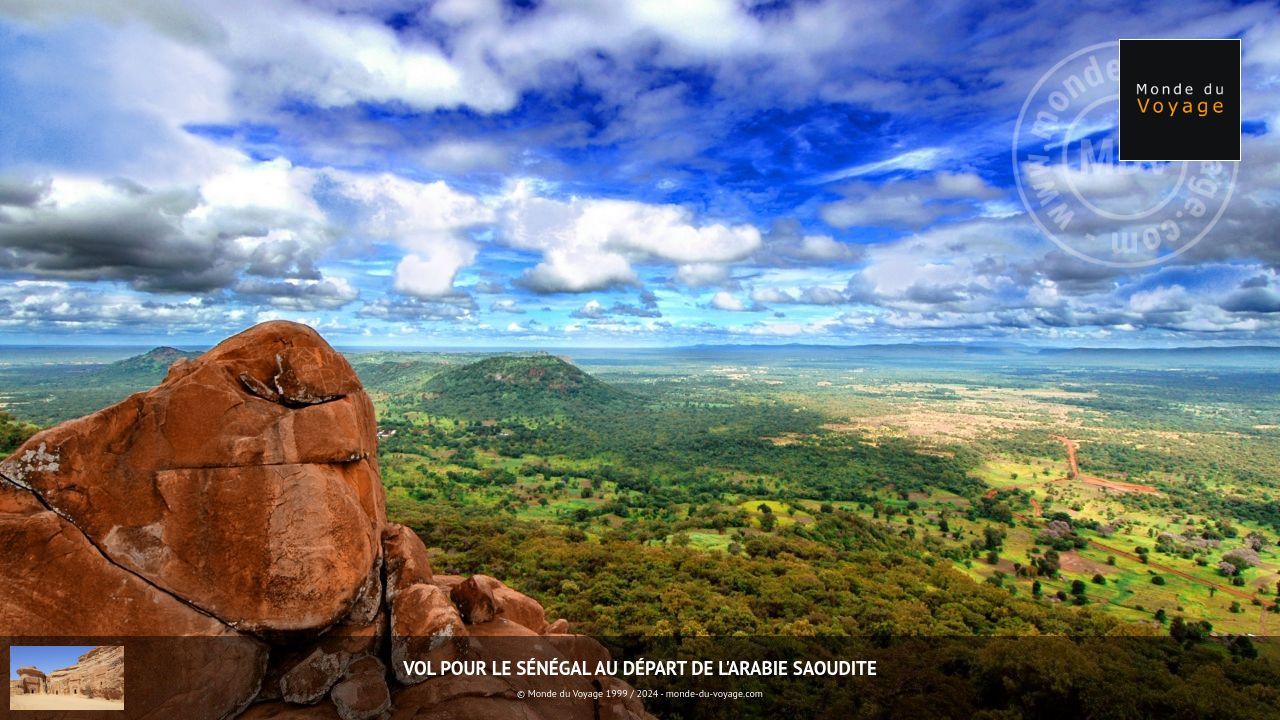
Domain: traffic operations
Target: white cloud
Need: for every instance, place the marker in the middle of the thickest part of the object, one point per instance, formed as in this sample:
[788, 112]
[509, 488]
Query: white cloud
[589, 244]
[909, 203]
[919, 159]
[505, 305]
[771, 296]
[251, 217]
[1173, 298]
[431, 274]
[464, 156]
[696, 275]
[564, 270]
[727, 301]
[427, 219]
[591, 309]
[37, 305]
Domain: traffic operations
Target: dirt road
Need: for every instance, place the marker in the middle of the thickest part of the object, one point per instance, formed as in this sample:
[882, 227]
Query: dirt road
[1097, 481]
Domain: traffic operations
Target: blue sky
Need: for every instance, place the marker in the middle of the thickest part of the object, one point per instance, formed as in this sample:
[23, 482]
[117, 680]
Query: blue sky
[46, 658]
[589, 173]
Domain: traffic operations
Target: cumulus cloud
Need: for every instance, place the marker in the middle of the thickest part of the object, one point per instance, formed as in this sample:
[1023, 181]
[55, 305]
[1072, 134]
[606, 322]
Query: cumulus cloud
[724, 300]
[787, 245]
[772, 296]
[909, 203]
[589, 244]
[463, 156]
[412, 309]
[431, 274]
[595, 310]
[697, 275]
[299, 294]
[430, 220]
[54, 306]
[506, 305]
[254, 218]
[812, 295]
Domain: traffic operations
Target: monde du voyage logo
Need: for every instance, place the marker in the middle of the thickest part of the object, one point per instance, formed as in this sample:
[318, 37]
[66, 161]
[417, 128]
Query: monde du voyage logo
[1126, 153]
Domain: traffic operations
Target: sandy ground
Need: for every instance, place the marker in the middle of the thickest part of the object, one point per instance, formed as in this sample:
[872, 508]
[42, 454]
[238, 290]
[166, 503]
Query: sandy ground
[62, 702]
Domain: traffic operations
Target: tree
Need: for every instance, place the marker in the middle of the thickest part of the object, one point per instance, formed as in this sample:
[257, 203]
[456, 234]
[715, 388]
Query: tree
[1098, 579]
[1241, 646]
[768, 521]
[1157, 580]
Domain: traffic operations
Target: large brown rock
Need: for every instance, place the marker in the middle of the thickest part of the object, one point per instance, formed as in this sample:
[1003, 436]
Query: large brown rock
[309, 679]
[424, 626]
[363, 693]
[481, 598]
[407, 560]
[245, 484]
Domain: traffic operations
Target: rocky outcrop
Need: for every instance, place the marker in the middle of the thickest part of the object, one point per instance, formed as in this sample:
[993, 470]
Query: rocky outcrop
[31, 681]
[237, 509]
[245, 485]
[98, 673]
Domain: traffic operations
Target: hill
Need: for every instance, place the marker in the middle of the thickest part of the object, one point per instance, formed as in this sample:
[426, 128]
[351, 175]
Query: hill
[141, 371]
[519, 385]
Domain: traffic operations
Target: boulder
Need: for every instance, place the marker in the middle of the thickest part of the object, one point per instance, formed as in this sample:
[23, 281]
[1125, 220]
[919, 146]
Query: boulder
[481, 598]
[309, 679]
[406, 558]
[261, 507]
[363, 692]
[424, 626]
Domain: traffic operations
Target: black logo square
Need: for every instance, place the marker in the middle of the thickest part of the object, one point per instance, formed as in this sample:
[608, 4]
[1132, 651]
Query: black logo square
[1179, 100]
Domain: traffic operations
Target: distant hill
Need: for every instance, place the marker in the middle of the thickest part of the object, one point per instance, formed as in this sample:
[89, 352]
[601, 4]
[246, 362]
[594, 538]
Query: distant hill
[143, 370]
[512, 385]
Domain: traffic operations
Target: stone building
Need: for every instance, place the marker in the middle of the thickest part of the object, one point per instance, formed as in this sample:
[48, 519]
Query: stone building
[98, 673]
[30, 681]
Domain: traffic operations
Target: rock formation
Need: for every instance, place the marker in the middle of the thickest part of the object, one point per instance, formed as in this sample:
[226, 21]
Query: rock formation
[30, 681]
[231, 520]
[98, 673]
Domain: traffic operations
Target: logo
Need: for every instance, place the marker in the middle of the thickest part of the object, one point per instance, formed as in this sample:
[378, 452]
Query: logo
[1082, 196]
[1180, 100]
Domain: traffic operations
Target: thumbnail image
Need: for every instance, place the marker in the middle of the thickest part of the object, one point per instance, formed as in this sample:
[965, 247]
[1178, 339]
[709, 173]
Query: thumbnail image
[66, 677]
